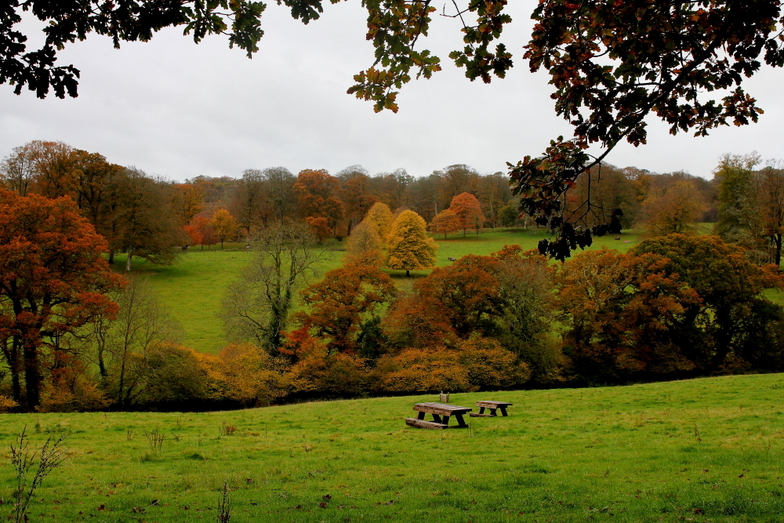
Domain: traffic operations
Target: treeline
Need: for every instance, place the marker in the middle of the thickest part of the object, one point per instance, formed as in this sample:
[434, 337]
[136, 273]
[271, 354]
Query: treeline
[145, 216]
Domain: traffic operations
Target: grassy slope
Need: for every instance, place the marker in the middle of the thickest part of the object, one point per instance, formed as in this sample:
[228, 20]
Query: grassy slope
[706, 450]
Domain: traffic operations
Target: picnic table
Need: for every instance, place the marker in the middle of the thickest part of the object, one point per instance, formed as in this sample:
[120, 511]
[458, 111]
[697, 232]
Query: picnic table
[493, 406]
[441, 412]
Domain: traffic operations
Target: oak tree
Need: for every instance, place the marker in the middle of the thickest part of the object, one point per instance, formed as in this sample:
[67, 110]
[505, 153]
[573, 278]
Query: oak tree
[53, 280]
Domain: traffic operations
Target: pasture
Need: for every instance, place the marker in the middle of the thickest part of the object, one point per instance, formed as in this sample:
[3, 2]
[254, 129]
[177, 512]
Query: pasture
[193, 287]
[707, 450]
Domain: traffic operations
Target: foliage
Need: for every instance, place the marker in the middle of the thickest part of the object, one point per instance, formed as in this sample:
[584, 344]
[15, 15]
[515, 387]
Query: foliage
[468, 211]
[200, 231]
[422, 370]
[364, 242]
[256, 306]
[53, 280]
[322, 372]
[342, 301]
[250, 376]
[717, 330]
[620, 313]
[408, 246]
[445, 222]
[380, 217]
[122, 22]
[672, 210]
[317, 199]
[224, 225]
[524, 322]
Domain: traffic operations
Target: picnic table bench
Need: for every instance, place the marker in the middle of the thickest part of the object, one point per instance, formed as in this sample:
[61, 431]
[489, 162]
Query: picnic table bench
[493, 406]
[441, 412]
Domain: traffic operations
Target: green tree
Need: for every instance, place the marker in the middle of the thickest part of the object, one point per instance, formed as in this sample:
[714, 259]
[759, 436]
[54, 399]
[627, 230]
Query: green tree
[409, 247]
[722, 329]
[256, 307]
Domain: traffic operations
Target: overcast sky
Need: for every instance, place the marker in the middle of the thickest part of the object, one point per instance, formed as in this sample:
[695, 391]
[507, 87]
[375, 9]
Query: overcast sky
[178, 110]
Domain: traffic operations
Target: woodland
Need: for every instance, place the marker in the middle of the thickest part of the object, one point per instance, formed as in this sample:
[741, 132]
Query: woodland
[80, 330]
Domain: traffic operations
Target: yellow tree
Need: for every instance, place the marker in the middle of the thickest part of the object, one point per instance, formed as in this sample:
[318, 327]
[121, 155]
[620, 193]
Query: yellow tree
[468, 211]
[380, 216]
[409, 247]
[224, 225]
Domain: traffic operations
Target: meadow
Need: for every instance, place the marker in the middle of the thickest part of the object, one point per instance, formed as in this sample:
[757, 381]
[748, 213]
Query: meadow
[706, 450]
[192, 288]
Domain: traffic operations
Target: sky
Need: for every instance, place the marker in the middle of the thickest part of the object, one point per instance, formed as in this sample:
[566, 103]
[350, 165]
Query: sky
[178, 110]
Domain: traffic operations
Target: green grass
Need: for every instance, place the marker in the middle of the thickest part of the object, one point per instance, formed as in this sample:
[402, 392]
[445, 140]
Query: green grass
[707, 450]
[193, 287]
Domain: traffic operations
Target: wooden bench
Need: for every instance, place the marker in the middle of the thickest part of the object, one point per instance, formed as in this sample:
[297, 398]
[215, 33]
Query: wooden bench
[441, 412]
[493, 406]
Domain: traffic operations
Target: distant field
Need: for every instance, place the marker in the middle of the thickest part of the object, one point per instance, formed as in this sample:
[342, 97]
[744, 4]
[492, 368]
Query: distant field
[707, 450]
[192, 288]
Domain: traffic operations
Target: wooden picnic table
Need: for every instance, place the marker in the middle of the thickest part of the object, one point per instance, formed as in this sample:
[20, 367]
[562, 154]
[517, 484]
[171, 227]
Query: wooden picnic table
[441, 412]
[493, 406]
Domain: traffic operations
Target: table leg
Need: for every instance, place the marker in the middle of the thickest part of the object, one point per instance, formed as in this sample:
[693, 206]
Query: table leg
[460, 421]
[481, 410]
[503, 411]
[437, 418]
[420, 415]
[492, 412]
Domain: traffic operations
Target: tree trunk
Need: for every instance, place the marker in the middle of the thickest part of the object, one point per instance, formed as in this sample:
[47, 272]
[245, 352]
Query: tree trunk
[33, 376]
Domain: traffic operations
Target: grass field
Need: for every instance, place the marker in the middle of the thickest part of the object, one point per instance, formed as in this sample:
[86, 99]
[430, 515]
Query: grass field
[707, 450]
[192, 288]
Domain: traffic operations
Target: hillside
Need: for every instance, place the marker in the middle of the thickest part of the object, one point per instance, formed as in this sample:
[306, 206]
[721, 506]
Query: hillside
[705, 450]
[192, 288]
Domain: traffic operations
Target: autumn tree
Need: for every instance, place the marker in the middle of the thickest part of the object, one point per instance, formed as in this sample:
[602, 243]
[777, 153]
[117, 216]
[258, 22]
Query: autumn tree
[445, 222]
[771, 202]
[620, 313]
[365, 243]
[523, 324]
[338, 305]
[380, 217]
[146, 227]
[729, 324]
[355, 194]
[53, 280]
[318, 197]
[224, 225]
[200, 231]
[751, 204]
[408, 246]
[256, 307]
[248, 199]
[17, 170]
[468, 211]
[672, 209]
